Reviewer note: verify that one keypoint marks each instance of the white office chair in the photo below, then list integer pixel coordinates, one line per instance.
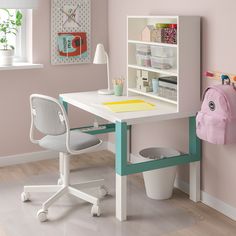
(49, 117)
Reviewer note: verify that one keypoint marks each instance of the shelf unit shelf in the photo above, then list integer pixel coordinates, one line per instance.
(152, 95)
(153, 43)
(169, 72)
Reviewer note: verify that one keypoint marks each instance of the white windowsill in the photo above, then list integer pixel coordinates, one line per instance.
(21, 66)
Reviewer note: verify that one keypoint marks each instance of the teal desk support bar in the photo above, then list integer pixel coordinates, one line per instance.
(110, 128)
(65, 104)
(157, 164)
(124, 168)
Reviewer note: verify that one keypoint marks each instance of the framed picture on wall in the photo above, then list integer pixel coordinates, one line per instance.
(70, 32)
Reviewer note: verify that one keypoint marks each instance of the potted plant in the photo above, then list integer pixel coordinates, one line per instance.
(9, 26)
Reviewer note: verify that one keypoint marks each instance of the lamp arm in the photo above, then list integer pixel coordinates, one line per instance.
(108, 72)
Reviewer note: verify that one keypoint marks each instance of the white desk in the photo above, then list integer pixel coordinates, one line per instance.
(92, 103)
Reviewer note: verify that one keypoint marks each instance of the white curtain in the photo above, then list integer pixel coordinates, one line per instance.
(19, 4)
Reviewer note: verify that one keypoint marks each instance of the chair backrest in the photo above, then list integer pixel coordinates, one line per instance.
(48, 115)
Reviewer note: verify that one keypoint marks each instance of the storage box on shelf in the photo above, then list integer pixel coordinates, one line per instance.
(168, 87)
(163, 63)
(155, 56)
(174, 52)
(144, 80)
(142, 60)
(161, 51)
(143, 49)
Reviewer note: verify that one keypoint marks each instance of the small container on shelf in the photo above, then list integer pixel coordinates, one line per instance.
(144, 80)
(163, 63)
(170, 34)
(158, 33)
(164, 33)
(155, 84)
(159, 51)
(146, 34)
(143, 60)
(168, 87)
(143, 49)
(168, 93)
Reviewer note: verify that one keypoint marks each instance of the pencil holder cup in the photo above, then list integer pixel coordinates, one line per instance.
(155, 85)
(118, 89)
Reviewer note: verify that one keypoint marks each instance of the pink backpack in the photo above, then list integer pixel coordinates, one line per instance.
(216, 122)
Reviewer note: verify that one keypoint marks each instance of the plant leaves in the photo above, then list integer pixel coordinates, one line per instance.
(9, 26)
(19, 15)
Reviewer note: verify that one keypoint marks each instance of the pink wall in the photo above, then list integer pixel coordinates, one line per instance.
(16, 86)
(218, 50)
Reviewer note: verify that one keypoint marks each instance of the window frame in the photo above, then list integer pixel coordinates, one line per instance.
(21, 47)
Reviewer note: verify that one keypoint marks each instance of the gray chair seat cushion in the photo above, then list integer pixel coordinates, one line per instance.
(78, 141)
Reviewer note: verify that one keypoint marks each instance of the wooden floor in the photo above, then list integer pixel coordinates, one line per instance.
(209, 222)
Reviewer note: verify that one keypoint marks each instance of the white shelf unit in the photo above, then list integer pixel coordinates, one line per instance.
(186, 53)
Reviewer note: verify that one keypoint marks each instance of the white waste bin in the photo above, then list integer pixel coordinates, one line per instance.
(159, 183)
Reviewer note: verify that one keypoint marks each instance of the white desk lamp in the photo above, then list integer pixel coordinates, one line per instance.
(101, 57)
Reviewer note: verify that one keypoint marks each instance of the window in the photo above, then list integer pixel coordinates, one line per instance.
(18, 41)
(23, 41)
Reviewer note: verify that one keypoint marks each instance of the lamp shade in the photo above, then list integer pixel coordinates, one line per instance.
(18, 4)
(100, 55)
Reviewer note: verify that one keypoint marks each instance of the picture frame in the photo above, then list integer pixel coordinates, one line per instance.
(70, 32)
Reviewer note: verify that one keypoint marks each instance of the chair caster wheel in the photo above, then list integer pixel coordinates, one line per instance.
(95, 211)
(59, 181)
(42, 215)
(103, 191)
(25, 197)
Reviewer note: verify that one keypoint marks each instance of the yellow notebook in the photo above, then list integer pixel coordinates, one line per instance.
(129, 105)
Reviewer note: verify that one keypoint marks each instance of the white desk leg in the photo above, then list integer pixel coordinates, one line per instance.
(194, 181)
(61, 165)
(121, 197)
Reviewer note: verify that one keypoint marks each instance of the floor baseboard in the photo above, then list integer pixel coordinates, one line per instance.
(35, 156)
(183, 186)
(111, 147)
(209, 200)
(218, 205)
(27, 157)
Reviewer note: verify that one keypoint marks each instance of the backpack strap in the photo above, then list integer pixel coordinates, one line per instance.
(234, 86)
(204, 93)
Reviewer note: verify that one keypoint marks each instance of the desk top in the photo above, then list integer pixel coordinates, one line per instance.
(92, 103)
